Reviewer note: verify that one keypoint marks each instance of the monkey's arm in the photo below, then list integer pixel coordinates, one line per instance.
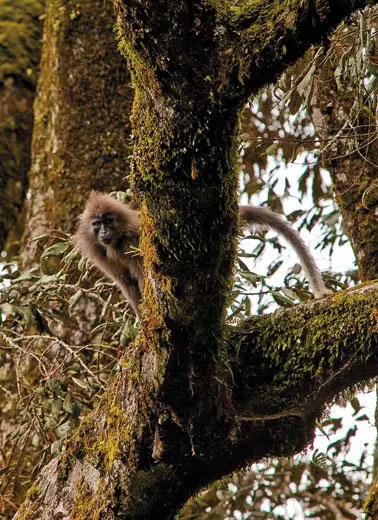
(130, 290)
(255, 216)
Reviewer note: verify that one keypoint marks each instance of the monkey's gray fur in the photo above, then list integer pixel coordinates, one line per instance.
(108, 235)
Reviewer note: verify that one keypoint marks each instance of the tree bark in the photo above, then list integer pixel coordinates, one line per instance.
(21, 30)
(81, 138)
(193, 401)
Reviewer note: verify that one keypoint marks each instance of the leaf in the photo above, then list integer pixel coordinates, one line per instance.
(302, 182)
(289, 293)
(362, 418)
(243, 266)
(75, 298)
(56, 249)
(67, 405)
(305, 85)
(26, 314)
(282, 300)
(355, 403)
(59, 276)
(317, 190)
(320, 427)
(253, 278)
(56, 406)
(273, 268)
(26, 276)
(301, 294)
(80, 383)
(272, 149)
(319, 460)
(295, 102)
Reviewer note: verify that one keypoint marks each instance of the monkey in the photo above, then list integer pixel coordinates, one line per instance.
(108, 235)
(251, 216)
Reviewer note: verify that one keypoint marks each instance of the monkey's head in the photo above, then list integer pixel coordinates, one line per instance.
(106, 229)
(108, 221)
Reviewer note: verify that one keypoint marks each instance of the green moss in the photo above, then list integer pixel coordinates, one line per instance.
(101, 445)
(20, 38)
(293, 351)
(33, 493)
(371, 504)
(87, 504)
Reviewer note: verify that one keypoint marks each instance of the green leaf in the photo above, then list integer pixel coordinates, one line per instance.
(289, 293)
(282, 300)
(67, 405)
(26, 276)
(56, 249)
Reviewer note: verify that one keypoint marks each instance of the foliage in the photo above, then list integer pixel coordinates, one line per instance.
(276, 132)
(61, 335)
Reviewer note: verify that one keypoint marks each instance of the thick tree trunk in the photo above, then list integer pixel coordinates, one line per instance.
(81, 133)
(21, 30)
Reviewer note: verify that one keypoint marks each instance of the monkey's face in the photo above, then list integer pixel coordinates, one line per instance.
(105, 229)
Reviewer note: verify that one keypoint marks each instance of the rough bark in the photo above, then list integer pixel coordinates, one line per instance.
(81, 134)
(183, 411)
(21, 30)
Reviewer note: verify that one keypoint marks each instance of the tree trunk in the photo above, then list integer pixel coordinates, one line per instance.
(21, 30)
(81, 133)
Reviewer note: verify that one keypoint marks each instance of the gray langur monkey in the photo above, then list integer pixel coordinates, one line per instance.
(108, 235)
(252, 216)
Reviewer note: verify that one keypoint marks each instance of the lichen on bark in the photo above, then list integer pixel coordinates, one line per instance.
(20, 48)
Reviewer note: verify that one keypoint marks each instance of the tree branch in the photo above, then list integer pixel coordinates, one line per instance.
(254, 42)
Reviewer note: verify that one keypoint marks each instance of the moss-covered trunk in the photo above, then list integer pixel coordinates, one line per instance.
(20, 48)
(82, 112)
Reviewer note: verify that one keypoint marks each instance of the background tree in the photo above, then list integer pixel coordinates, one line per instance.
(81, 132)
(80, 142)
(21, 30)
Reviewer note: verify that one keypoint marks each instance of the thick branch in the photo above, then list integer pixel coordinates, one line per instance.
(229, 51)
(293, 361)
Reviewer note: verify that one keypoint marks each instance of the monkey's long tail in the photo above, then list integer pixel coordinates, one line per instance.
(256, 216)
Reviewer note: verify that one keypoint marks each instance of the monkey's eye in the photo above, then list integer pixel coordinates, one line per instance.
(96, 224)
